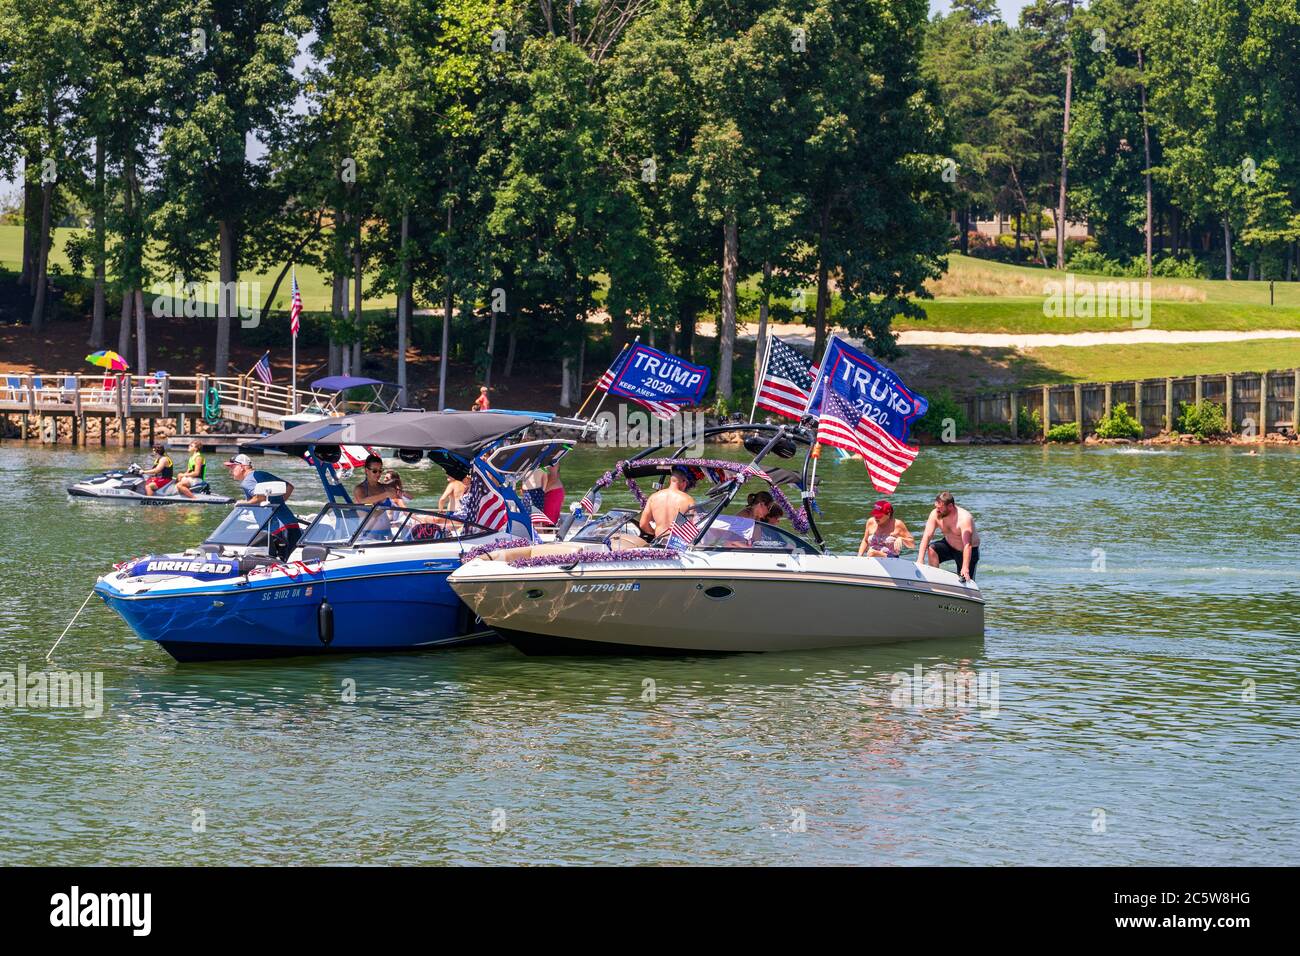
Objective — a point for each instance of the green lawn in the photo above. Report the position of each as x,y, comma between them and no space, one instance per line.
1023,316
315,287
1113,363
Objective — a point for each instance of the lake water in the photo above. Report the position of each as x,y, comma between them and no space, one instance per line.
1136,702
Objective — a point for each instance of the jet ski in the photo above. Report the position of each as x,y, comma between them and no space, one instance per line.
127,485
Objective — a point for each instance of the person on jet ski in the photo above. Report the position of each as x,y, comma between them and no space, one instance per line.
283,527
194,471
161,473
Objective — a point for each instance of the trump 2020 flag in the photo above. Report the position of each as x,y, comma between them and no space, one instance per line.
864,408
661,382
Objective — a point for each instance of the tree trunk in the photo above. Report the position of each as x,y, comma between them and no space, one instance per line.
491,347
31,221
346,347
336,311
1065,141
511,341
446,323
358,318
727,336
764,310
141,351
1018,237
566,398
42,259
963,228
1146,148
124,331
1227,249
1176,231
226,298
823,286
685,342
403,290
96,340
1035,231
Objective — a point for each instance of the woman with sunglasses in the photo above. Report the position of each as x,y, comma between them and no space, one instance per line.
371,491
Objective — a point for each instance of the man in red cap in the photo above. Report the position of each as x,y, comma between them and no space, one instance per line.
885,536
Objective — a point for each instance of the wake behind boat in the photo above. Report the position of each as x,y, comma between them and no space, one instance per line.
734,584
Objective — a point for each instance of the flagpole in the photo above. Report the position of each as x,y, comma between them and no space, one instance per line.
767,356
293,388
821,373
596,387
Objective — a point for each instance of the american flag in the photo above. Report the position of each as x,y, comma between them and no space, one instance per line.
540,521
295,309
786,380
485,506
263,368
683,532
843,426
586,506
663,410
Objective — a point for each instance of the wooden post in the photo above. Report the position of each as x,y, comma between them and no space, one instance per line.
1295,404
1227,402
135,431
1047,409
254,394
1263,404
103,430
1015,416
31,395
79,417
1169,404
151,421
123,384
1200,391
1137,407
166,397
1109,395
1078,408
975,414
23,433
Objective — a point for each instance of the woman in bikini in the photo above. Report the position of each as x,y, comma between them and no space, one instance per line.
885,536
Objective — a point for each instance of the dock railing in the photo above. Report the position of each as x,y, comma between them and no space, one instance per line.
1256,403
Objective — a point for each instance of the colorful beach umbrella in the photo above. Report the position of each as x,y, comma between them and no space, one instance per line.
108,359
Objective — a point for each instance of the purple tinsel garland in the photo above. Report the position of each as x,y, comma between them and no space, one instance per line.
798,516
597,557
486,549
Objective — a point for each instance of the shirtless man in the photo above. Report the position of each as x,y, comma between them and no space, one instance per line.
960,542
663,507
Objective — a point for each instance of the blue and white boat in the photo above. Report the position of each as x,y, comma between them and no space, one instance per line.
363,578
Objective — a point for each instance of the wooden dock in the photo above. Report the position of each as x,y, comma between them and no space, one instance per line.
1257,403
89,406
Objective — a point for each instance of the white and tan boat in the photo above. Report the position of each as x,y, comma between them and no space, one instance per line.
739,586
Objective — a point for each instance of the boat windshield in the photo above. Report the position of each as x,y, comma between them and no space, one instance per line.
598,529
242,526
356,525
732,532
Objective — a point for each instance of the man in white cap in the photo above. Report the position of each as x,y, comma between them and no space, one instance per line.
284,523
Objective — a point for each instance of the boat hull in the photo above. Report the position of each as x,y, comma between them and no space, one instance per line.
401,609
661,610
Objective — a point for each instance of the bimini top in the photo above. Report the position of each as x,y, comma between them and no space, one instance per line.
462,433
339,383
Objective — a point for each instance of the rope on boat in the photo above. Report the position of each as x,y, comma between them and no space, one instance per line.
70,623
